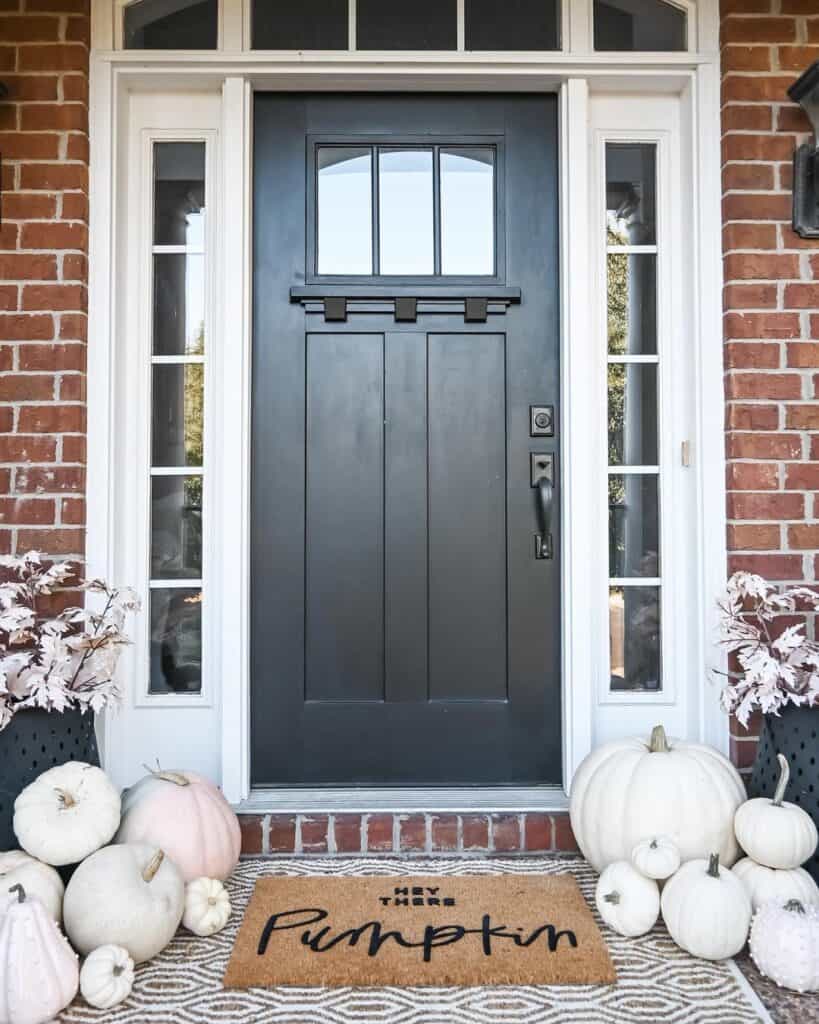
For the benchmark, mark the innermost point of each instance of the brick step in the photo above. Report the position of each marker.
(387, 833)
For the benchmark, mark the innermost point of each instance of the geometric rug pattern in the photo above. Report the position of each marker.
(656, 980)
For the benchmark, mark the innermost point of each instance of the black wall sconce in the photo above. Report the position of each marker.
(805, 92)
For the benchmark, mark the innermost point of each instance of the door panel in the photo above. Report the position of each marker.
(403, 631)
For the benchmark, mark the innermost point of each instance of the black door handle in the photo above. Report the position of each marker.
(543, 474)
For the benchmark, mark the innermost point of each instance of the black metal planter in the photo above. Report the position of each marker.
(794, 733)
(30, 744)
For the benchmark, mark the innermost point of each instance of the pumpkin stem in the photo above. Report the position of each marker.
(653, 844)
(795, 906)
(175, 777)
(154, 865)
(66, 799)
(21, 893)
(658, 744)
(782, 784)
(612, 897)
(713, 865)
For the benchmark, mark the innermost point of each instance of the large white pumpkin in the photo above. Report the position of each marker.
(630, 790)
(766, 884)
(66, 813)
(774, 832)
(706, 909)
(129, 895)
(39, 973)
(38, 879)
(188, 817)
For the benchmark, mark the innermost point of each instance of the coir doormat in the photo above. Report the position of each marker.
(467, 930)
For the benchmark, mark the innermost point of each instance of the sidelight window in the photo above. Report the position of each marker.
(647, 25)
(411, 210)
(170, 25)
(633, 424)
(179, 261)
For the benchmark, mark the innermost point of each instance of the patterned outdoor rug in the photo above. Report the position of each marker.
(656, 980)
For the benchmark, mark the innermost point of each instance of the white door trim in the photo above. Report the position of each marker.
(234, 76)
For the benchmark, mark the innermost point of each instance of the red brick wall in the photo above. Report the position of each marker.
(771, 301)
(43, 274)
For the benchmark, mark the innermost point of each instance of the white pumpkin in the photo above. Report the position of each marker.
(39, 973)
(784, 945)
(766, 884)
(776, 833)
(38, 879)
(627, 901)
(188, 817)
(657, 857)
(706, 909)
(130, 895)
(107, 977)
(630, 790)
(207, 906)
(66, 813)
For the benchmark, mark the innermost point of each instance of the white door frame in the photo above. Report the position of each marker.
(577, 76)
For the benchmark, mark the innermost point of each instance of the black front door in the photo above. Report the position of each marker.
(405, 538)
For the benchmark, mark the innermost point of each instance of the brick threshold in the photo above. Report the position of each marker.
(421, 834)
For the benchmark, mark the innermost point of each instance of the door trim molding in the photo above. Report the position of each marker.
(115, 74)
(503, 799)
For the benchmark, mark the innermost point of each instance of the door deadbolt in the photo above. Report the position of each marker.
(541, 420)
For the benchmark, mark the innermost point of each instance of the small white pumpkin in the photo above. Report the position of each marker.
(706, 909)
(39, 973)
(66, 813)
(130, 895)
(657, 857)
(107, 977)
(785, 944)
(776, 833)
(766, 884)
(628, 901)
(207, 906)
(188, 816)
(38, 879)
(632, 788)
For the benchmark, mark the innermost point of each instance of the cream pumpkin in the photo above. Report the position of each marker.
(630, 790)
(129, 895)
(38, 879)
(39, 973)
(657, 857)
(188, 817)
(774, 832)
(207, 906)
(66, 813)
(627, 901)
(784, 945)
(107, 977)
(706, 909)
(767, 884)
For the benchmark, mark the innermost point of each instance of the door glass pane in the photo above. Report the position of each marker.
(468, 210)
(179, 304)
(176, 640)
(176, 527)
(179, 193)
(632, 414)
(631, 193)
(634, 638)
(638, 25)
(299, 24)
(178, 399)
(345, 233)
(406, 25)
(634, 525)
(406, 230)
(632, 303)
(512, 25)
(171, 25)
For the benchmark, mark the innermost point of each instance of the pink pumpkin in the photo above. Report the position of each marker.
(187, 816)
